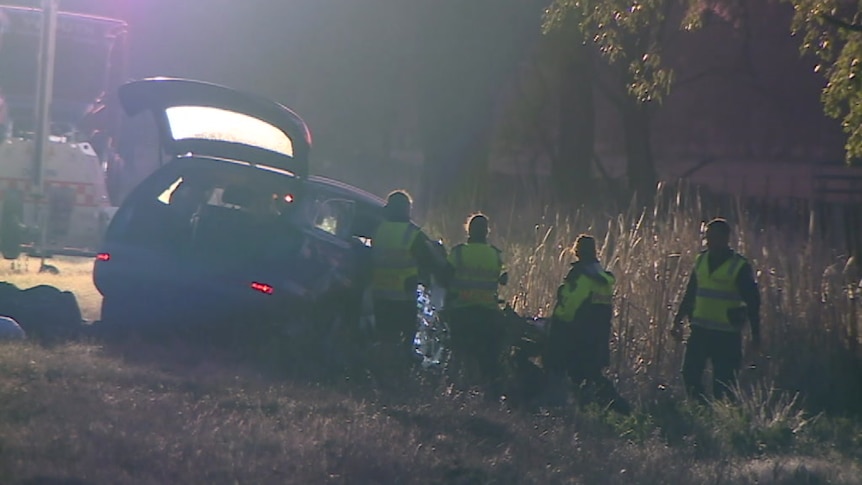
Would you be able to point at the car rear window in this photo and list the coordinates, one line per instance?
(210, 123)
(213, 208)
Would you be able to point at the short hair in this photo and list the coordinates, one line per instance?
(585, 244)
(398, 203)
(399, 198)
(719, 225)
(477, 224)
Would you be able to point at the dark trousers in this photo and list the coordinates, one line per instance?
(395, 320)
(476, 339)
(579, 350)
(395, 327)
(723, 349)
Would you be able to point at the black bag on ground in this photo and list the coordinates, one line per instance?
(46, 313)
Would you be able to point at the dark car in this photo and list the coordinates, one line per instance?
(232, 226)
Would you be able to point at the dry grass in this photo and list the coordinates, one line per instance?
(76, 275)
(87, 413)
(135, 412)
(811, 291)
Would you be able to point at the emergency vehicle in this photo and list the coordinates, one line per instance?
(70, 213)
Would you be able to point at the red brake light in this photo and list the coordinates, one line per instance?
(262, 287)
(103, 256)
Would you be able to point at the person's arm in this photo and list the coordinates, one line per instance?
(430, 258)
(420, 251)
(570, 297)
(751, 296)
(686, 306)
(503, 276)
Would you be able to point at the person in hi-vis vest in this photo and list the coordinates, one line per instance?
(579, 340)
(472, 306)
(400, 252)
(721, 296)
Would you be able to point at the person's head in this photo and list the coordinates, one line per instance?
(717, 234)
(585, 247)
(477, 228)
(398, 205)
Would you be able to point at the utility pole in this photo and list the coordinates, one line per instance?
(44, 93)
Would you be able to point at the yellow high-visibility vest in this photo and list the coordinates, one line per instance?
(717, 293)
(477, 273)
(393, 263)
(585, 289)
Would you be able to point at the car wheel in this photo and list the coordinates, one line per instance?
(112, 310)
(123, 315)
(108, 325)
(124, 312)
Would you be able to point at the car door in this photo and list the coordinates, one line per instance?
(329, 243)
(201, 227)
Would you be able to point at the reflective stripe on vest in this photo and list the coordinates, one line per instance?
(717, 293)
(601, 299)
(477, 273)
(393, 263)
(602, 293)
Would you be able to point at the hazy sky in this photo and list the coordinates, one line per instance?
(251, 44)
(339, 61)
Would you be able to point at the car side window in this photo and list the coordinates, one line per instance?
(334, 216)
(184, 198)
(162, 215)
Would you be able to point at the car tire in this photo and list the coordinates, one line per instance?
(121, 311)
(124, 315)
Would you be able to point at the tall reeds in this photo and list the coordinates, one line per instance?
(809, 285)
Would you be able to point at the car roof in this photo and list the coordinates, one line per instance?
(334, 185)
(354, 191)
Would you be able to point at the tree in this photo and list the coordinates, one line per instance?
(571, 168)
(831, 30)
(550, 116)
(629, 35)
(464, 53)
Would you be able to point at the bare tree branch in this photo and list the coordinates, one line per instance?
(842, 23)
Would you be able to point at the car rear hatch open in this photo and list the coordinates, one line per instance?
(207, 119)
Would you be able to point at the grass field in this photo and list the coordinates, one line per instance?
(173, 412)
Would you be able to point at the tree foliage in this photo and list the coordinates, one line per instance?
(629, 34)
(830, 30)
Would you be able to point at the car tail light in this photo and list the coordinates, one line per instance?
(288, 198)
(103, 257)
(262, 287)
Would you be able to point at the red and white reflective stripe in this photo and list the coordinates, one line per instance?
(85, 193)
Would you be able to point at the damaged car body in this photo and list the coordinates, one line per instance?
(231, 227)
